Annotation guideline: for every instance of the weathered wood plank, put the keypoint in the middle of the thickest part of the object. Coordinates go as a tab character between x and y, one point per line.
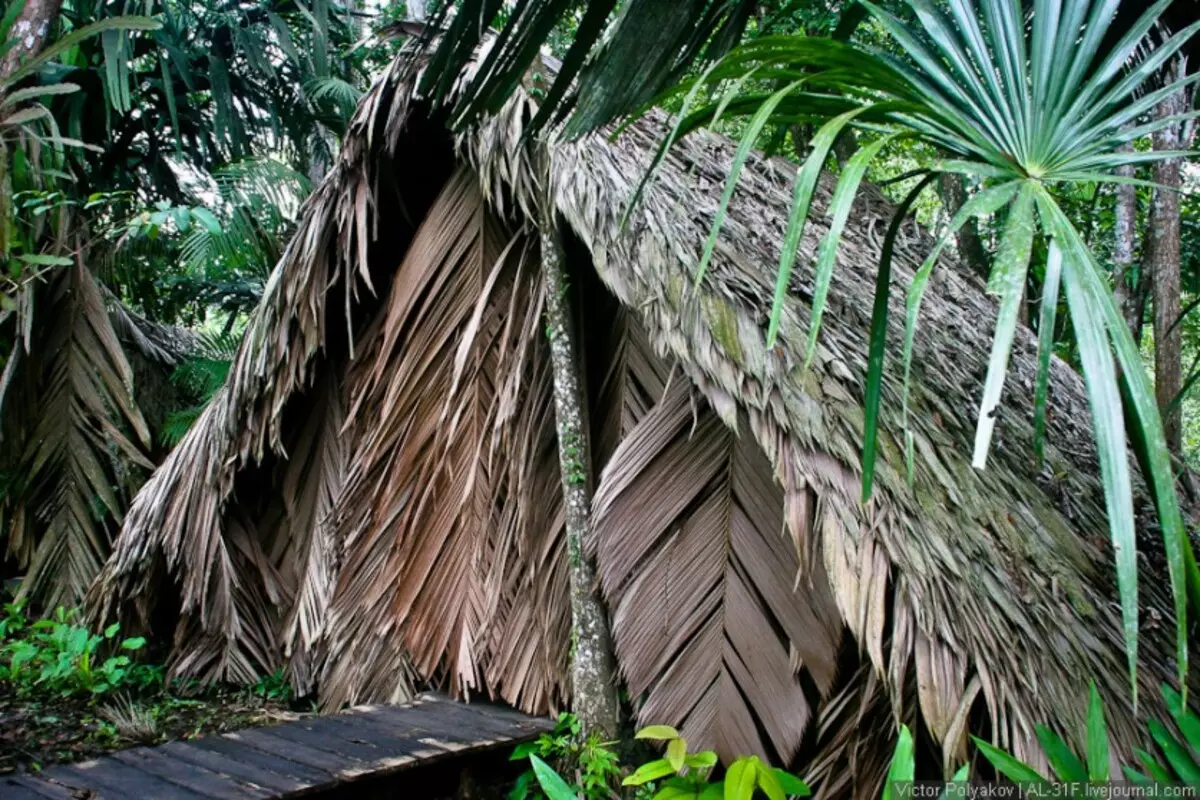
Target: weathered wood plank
111	779
461	725
11	790
40	787
330	740
266	740
364	724
189	776
285	760
270	783
245	753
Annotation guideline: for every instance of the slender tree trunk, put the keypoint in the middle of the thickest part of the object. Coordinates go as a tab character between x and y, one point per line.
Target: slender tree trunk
592	674
1123	244
1161	260
970	247
30	31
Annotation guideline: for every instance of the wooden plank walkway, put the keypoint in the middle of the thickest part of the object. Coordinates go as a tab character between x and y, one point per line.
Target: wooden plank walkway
305	757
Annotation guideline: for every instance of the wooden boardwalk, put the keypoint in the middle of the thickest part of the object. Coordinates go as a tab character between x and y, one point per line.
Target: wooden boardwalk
306	757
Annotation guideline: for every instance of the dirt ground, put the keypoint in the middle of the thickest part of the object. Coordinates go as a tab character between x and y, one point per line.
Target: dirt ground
37	732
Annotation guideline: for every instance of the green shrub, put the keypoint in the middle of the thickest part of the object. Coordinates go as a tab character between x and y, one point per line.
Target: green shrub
275	686
591	761
678	775
1173	758
61	656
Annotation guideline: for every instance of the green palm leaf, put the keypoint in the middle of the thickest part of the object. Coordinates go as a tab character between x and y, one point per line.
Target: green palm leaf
1007	280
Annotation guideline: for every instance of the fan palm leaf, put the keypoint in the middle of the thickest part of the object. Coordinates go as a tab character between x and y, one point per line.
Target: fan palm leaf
1025	108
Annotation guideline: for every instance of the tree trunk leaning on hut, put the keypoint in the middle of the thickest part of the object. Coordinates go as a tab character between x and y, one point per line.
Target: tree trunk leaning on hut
593	688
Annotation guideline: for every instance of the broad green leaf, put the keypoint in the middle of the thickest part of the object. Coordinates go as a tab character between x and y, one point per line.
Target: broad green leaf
959	777
903	765
740	779
1176	753
1187	721
806	184
1011	768
839	207
753	129
115	69
1007	279
658	732
45	260
792	786
769	783
1066	765
523	751
675	793
985	202
207	219
650	771
1097	737
1108	421
676	753
1181	562
520	789
550	781
1157	770
714	791
878	340
702	760
1046	322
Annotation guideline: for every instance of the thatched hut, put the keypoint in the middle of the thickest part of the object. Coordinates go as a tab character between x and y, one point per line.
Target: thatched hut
373	500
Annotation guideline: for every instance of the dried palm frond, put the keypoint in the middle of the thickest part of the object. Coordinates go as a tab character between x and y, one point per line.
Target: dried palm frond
698	571
76	435
312	484
853	740
422	517
237	571
132	721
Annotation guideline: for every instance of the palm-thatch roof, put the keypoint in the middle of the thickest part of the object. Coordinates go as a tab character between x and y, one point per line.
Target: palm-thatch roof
373	498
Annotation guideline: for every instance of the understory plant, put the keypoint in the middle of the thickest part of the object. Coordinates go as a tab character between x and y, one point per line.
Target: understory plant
62	656
678	775
590	761
1174	757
